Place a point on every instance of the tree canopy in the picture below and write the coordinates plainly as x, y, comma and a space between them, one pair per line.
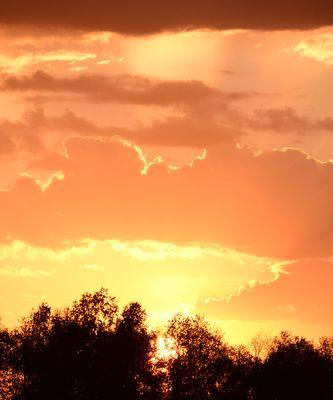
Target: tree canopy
92, 351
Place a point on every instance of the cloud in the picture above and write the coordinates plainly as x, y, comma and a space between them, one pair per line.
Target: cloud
34, 143
166, 277
284, 121
21, 250
274, 204
24, 135
93, 267
201, 116
194, 129
317, 46
124, 88
24, 272
280, 120
30, 134
302, 293
146, 17
150, 250
19, 62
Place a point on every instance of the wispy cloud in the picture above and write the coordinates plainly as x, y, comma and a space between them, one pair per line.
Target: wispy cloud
317, 46
24, 272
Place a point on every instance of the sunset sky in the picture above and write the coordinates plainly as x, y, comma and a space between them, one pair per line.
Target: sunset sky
178, 153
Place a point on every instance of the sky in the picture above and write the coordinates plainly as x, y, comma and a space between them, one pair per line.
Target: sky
177, 153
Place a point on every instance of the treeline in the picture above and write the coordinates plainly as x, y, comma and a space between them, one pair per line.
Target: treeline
90, 351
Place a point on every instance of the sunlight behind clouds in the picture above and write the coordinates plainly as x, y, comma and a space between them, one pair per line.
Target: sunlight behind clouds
318, 47
157, 273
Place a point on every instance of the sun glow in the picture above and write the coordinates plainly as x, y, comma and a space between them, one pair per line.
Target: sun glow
165, 348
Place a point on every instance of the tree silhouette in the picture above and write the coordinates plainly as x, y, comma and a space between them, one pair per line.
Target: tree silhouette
10, 381
134, 348
201, 367
294, 369
90, 351
241, 375
260, 345
85, 352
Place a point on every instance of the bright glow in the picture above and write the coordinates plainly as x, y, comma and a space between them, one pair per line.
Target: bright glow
318, 47
165, 349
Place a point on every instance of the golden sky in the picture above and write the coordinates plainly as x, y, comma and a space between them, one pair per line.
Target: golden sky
178, 155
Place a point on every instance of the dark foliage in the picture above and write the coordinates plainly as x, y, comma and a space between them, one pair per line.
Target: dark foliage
91, 352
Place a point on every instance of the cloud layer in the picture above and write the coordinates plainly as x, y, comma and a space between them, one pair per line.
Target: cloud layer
146, 17
276, 204
124, 88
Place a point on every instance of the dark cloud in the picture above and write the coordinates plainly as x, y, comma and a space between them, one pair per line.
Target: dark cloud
207, 117
286, 120
200, 102
194, 129
147, 16
281, 120
205, 122
23, 135
124, 88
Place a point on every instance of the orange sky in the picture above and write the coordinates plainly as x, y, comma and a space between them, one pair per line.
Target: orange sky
179, 156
